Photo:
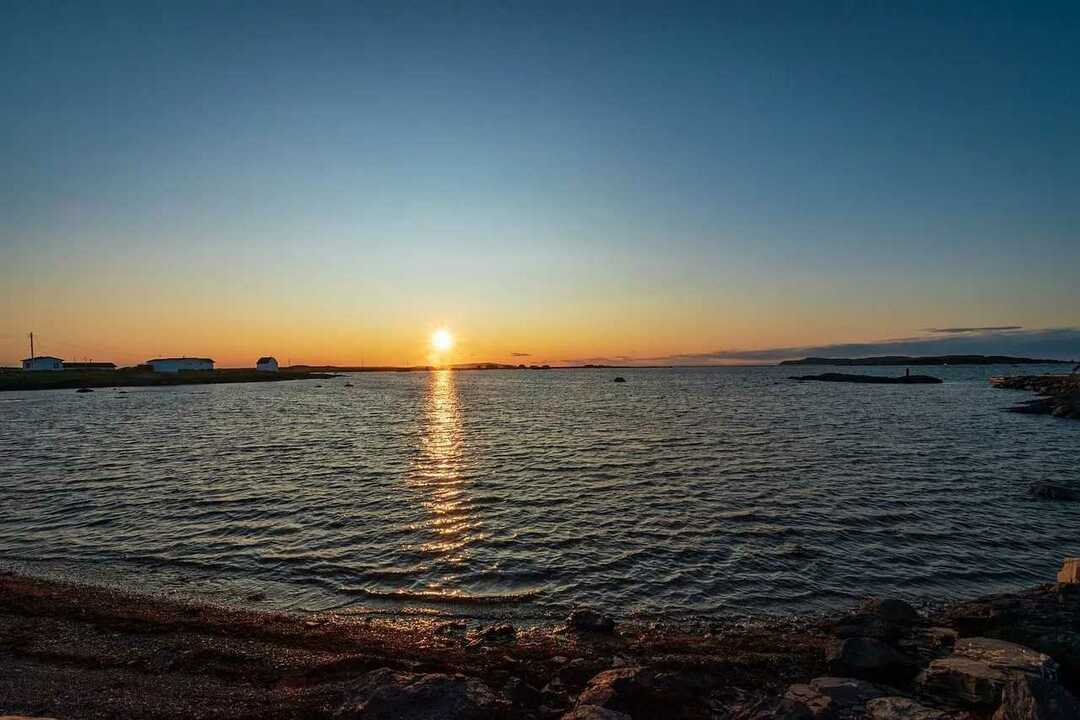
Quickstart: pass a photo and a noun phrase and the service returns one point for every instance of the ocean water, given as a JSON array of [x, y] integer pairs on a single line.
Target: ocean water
[[680, 493]]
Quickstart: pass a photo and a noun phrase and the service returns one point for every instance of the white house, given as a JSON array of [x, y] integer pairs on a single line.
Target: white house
[[266, 364], [180, 364], [43, 362]]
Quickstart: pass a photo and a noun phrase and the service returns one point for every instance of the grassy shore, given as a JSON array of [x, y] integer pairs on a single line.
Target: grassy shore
[[75, 651], [138, 377]]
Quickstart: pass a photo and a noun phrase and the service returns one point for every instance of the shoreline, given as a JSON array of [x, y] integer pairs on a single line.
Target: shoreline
[[78, 379], [75, 650]]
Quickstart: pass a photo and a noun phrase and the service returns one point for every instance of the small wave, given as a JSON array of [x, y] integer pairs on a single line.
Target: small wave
[[445, 597]]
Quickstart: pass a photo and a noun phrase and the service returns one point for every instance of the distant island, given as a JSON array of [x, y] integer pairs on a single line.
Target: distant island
[[928, 360]]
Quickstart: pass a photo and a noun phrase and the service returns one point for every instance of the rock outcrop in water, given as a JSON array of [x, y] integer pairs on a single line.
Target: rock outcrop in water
[[872, 379], [71, 651], [1059, 394]]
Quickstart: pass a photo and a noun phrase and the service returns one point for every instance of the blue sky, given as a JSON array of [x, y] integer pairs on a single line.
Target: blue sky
[[562, 179]]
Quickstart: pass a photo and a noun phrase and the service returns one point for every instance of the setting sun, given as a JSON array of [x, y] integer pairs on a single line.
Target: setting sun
[[442, 340]]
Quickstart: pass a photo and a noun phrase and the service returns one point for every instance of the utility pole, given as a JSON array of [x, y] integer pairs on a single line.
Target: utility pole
[[31, 346]]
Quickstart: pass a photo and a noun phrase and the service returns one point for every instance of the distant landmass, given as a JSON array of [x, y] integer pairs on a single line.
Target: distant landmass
[[929, 360]]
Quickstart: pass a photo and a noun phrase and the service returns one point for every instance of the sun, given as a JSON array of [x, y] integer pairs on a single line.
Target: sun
[[442, 340]]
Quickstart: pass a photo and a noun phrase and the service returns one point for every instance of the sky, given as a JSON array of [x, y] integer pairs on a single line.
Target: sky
[[552, 182]]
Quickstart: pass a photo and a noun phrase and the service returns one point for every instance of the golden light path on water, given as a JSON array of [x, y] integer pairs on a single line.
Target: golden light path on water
[[438, 473]]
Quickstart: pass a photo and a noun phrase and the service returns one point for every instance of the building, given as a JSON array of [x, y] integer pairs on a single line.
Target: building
[[180, 364], [43, 362], [266, 364], [89, 366]]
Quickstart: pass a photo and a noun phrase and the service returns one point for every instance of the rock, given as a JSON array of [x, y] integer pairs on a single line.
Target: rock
[[831, 697], [521, 693], [647, 693], [594, 712], [620, 379], [896, 611], [1070, 571], [578, 672], [498, 633], [902, 708], [977, 672], [1032, 698], [392, 695], [84, 390], [870, 658], [1052, 491], [929, 643], [590, 621]]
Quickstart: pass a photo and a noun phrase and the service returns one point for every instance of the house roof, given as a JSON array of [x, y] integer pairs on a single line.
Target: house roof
[[178, 358], [266, 359], [43, 357]]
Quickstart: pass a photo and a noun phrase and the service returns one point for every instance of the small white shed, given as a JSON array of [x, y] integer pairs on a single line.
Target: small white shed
[[43, 362], [267, 364], [180, 364]]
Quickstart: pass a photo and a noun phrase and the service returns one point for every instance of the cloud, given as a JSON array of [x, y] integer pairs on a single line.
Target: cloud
[[959, 330], [514, 354], [1049, 343]]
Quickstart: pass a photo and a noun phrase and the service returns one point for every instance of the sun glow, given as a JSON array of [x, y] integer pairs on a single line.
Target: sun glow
[[442, 340]]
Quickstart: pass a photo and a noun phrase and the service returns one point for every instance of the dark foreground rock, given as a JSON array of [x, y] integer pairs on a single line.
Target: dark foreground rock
[[871, 379], [76, 652], [1053, 491]]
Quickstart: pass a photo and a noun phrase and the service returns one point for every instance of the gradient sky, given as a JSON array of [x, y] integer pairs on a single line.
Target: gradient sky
[[329, 182]]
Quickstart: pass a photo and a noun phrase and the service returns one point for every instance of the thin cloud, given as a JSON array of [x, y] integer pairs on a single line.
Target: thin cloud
[[516, 354], [960, 330]]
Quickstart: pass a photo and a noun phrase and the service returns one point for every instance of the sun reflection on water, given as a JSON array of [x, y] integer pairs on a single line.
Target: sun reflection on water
[[438, 472]]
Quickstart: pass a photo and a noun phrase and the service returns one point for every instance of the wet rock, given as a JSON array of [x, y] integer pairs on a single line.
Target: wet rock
[[390, 695], [977, 672], [1032, 698], [1046, 490], [588, 620], [902, 708], [895, 611], [620, 379], [870, 658], [578, 672]]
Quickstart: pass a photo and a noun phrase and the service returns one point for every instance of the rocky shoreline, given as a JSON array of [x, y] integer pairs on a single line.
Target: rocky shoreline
[[71, 651], [1059, 394]]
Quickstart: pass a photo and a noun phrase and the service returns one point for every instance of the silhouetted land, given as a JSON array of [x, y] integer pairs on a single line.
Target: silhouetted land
[[141, 377], [73, 651], [871, 379], [928, 360]]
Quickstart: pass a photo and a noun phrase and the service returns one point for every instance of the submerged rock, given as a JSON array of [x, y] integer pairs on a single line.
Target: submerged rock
[[391, 695]]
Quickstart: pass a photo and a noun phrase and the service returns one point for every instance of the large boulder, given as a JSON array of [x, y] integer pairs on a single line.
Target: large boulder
[[976, 674], [391, 695], [1034, 698], [880, 619], [872, 659]]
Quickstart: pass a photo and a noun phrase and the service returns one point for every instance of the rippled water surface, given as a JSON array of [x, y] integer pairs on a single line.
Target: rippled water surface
[[681, 492]]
